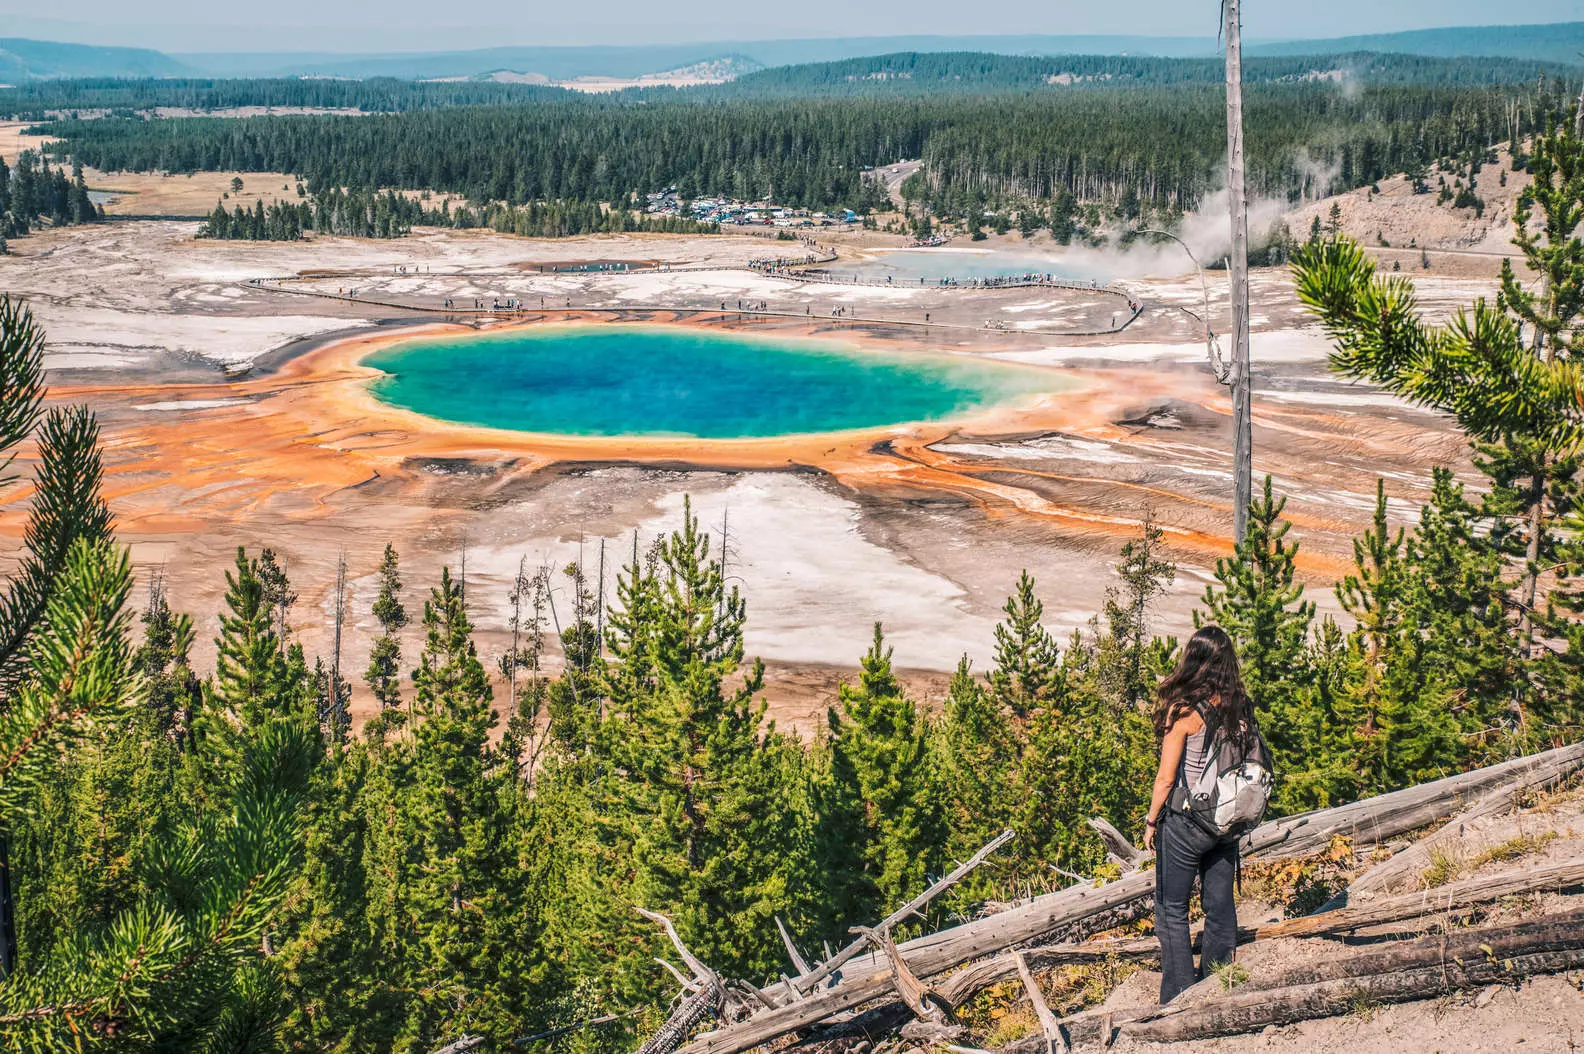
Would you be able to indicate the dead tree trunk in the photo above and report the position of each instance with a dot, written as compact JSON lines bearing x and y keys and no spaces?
{"x":1237,"y":202}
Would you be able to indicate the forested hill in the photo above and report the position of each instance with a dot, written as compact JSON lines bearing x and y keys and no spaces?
{"x":378,"y":95}
{"x":898,"y":74}
{"x":967,"y":71}
{"x":1558,"y":42}
{"x":22,"y":60}
{"x":1150,"y":145}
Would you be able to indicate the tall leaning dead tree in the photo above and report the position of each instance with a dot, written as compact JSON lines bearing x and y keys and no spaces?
{"x":1237,"y":202}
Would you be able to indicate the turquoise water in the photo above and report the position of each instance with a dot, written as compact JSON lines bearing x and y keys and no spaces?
{"x":647,"y":380}
{"x":929,"y":266}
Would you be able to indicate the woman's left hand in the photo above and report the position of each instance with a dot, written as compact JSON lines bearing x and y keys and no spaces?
{"x":1149,"y":837}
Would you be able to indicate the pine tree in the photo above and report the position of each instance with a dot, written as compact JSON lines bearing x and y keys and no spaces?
{"x":174,"y":691}
{"x":1375,"y":593}
{"x":1507,"y":372}
{"x":879,"y":737}
{"x":67,"y":512}
{"x":701,"y":822}
{"x":1131,"y":659}
{"x":1259,"y":603}
{"x":384,"y":670}
{"x":1026,"y":656}
{"x":971,"y":754}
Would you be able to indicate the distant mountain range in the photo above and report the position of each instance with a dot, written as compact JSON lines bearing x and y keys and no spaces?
{"x":22,"y":59}
{"x":33,"y":59}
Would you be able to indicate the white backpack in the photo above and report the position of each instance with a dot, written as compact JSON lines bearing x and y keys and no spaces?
{"x":1230,"y":796}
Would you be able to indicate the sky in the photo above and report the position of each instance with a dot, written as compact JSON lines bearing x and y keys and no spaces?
{"x":379,"y":25}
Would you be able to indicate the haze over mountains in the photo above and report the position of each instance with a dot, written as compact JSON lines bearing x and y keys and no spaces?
{"x":23,"y":59}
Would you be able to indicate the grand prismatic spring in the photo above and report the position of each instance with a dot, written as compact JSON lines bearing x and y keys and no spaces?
{"x":666,"y":381}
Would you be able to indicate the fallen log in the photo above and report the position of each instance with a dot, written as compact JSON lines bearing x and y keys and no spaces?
{"x":1409,"y":970}
{"x":1459,"y":895}
{"x":1413,"y":860}
{"x":1367,"y":822}
{"x":965,"y":983}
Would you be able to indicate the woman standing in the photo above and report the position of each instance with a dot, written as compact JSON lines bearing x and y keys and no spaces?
{"x":1202,"y":695}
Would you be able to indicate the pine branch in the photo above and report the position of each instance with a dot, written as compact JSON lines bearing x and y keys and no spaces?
{"x":66,"y":506}
{"x":80,"y":668}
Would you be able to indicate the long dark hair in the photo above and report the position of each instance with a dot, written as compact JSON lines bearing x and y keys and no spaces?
{"x":1206,"y":680}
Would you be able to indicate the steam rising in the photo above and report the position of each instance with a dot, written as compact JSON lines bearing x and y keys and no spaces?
{"x":1207,"y":231}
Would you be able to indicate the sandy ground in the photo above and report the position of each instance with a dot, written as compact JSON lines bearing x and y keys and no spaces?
{"x":228,"y":420}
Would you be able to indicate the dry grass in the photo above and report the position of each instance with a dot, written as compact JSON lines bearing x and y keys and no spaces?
{"x":1513,"y":848}
{"x":1445,"y":866}
{"x":1010,"y":1026}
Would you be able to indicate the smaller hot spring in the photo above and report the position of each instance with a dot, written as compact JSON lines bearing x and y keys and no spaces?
{"x":620,"y":380}
{"x":950,"y":266}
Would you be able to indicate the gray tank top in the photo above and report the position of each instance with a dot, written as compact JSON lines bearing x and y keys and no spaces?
{"x":1195,"y":749}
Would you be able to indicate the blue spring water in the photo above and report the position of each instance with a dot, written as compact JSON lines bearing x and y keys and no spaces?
{"x":625,"y":380}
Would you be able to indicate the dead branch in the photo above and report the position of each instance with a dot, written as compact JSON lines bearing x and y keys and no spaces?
{"x":798,"y":962}
{"x":1119,"y":850}
{"x":1049,"y":1026}
{"x":925,"y":1004}
{"x":461,"y":1046}
{"x":700,"y":971}
{"x":833,"y":963}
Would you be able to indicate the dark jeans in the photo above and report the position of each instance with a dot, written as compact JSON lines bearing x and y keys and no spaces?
{"x":1185,"y":851}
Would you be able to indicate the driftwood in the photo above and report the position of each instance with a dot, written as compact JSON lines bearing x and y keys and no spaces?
{"x":1368,"y":822}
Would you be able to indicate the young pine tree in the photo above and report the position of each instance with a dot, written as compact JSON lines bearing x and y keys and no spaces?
{"x":384,"y":669}
{"x":1026,"y":656}
{"x":878,"y":735}
{"x":1261,"y":605}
